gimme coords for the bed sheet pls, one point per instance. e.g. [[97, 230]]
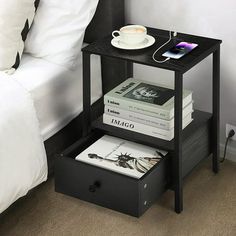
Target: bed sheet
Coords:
[[56, 91], [23, 162]]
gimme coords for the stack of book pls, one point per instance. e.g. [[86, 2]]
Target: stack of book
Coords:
[[145, 108]]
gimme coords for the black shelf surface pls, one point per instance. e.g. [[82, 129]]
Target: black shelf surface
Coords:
[[206, 46], [199, 118]]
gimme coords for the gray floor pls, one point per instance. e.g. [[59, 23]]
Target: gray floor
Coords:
[[209, 209]]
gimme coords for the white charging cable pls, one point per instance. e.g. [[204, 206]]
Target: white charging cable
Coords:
[[153, 55]]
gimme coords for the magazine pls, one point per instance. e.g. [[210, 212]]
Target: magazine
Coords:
[[122, 156]]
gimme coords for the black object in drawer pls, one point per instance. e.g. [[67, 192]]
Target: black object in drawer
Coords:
[[108, 188]]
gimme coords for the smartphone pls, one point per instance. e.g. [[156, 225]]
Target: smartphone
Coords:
[[180, 50]]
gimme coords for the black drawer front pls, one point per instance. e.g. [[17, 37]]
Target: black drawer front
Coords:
[[107, 188], [97, 185]]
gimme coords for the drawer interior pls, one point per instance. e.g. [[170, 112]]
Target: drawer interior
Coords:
[[79, 146]]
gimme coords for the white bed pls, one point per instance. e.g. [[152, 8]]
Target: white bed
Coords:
[[23, 162], [51, 95], [56, 91]]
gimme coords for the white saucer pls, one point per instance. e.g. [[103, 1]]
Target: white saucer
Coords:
[[148, 41]]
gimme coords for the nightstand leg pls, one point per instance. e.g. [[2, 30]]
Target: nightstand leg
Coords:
[[216, 111], [177, 161], [86, 94], [117, 69]]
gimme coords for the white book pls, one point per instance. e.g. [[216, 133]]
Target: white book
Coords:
[[141, 128], [121, 156], [148, 120], [146, 98]]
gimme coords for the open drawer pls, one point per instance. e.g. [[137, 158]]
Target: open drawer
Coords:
[[108, 188]]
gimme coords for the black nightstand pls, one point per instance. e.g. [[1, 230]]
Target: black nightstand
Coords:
[[189, 146]]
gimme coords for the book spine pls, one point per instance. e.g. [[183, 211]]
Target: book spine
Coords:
[[137, 127], [140, 118], [136, 107], [186, 110]]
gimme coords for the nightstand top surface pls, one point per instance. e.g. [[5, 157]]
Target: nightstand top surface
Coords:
[[206, 46]]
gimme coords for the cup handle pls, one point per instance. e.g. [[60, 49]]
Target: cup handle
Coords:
[[115, 32]]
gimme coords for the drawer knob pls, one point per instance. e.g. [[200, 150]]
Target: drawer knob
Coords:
[[94, 187]]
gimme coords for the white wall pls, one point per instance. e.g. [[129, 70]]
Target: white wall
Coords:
[[211, 18]]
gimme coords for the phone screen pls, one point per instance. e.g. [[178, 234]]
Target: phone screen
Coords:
[[180, 50]]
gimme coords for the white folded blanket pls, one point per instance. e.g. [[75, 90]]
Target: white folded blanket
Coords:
[[23, 163]]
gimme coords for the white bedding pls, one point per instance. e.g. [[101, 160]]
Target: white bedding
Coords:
[[23, 163], [56, 91], [39, 97]]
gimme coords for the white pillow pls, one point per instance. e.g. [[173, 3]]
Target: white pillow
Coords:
[[16, 17], [58, 30]]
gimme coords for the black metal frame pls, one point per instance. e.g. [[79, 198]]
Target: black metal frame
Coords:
[[216, 109], [86, 94], [177, 163], [178, 180], [178, 139]]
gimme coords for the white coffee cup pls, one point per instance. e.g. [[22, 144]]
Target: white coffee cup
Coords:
[[131, 34]]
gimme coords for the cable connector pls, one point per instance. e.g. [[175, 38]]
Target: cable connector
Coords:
[[231, 133]]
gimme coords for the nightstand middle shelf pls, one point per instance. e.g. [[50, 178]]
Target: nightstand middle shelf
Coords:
[[200, 118]]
